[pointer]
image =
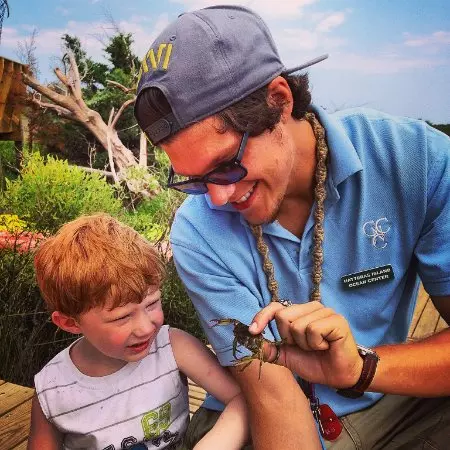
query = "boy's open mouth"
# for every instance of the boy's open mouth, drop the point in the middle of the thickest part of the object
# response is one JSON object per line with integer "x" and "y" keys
{"x": 140, "y": 347}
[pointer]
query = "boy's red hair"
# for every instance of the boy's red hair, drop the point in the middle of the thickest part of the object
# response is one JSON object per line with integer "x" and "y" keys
{"x": 92, "y": 260}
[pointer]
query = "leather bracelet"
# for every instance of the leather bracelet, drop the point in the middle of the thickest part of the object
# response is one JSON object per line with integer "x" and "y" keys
{"x": 370, "y": 362}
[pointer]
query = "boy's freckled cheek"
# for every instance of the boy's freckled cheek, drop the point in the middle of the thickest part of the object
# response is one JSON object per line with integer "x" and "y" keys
{"x": 118, "y": 338}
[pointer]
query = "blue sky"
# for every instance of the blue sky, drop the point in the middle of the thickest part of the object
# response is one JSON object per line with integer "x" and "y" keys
{"x": 392, "y": 55}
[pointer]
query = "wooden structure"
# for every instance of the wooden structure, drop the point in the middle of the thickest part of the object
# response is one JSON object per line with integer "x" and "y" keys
{"x": 15, "y": 409}
{"x": 12, "y": 91}
{"x": 15, "y": 401}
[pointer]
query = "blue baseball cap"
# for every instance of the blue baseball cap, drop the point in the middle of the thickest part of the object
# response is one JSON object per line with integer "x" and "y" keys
{"x": 207, "y": 60}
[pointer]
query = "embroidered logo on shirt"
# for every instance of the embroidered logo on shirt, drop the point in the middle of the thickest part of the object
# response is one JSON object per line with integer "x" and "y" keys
{"x": 376, "y": 231}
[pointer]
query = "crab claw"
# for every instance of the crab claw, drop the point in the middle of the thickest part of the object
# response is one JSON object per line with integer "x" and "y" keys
{"x": 216, "y": 322}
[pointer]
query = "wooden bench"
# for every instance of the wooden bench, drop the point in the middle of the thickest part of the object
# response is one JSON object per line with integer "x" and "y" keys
{"x": 15, "y": 410}
{"x": 15, "y": 401}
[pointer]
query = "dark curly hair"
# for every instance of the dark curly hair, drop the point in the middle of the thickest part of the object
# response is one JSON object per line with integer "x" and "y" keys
{"x": 252, "y": 114}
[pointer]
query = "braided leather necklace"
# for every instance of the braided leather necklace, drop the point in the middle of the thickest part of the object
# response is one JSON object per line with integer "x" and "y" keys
{"x": 329, "y": 424}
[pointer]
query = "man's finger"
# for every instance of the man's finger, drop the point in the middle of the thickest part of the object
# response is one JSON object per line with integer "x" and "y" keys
{"x": 297, "y": 314}
{"x": 263, "y": 317}
{"x": 292, "y": 358}
{"x": 281, "y": 313}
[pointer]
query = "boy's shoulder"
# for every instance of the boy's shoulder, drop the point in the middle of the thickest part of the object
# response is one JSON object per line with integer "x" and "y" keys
{"x": 56, "y": 368}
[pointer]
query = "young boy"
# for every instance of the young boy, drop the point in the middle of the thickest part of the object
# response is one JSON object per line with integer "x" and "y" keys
{"x": 122, "y": 384}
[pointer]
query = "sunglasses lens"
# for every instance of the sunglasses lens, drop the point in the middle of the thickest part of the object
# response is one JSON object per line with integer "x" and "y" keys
{"x": 227, "y": 175}
{"x": 192, "y": 188}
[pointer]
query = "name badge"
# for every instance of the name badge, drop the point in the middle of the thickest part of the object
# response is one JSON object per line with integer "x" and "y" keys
{"x": 368, "y": 277}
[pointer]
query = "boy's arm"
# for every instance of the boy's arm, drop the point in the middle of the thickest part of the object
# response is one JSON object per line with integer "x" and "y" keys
{"x": 200, "y": 365}
{"x": 42, "y": 433}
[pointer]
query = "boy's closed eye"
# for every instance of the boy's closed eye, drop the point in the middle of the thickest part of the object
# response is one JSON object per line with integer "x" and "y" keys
{"x": 152, "y": 304}
{"x": 117, "y": 319}
{"x": 149, "y": 306}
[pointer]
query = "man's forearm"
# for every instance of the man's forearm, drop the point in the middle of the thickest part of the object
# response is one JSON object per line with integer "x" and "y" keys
{"x": 419, "y": 369}
{"x": 280, "y": 416}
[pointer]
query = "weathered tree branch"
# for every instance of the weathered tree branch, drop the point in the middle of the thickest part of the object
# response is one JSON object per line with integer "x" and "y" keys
{"x": 62, "y": 77}
{"x": 99, "y": 171}
{"x": 121, "y": 110}
{"x": 62, "y": 100}
{"x": 61, "y": 111}
{"x": 72, "y": 106}
{"x": 75, "y": 78}
{"x": 143, "y": 150}
{"x": 120, "y": 86}
{"x": 110, "y": 154}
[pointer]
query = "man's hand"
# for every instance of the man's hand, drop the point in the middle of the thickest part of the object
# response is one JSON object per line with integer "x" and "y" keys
{"x": 319, "y": 345}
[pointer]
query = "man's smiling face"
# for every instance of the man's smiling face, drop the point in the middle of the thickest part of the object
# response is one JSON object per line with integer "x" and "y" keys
{"x": 268, "y": 159}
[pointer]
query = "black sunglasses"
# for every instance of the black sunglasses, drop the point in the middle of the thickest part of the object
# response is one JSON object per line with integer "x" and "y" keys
{"x": 228, "y": 172}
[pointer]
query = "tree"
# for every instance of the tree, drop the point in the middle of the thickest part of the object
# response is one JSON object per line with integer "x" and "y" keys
{"x": 445, "y": 128}
{"x": 72, "y": 106}
{"x": 120, "y": 54}
{"x": 75, "y": 141}
{"x": 4, "y": 9}
{"x": 92, "y": 74}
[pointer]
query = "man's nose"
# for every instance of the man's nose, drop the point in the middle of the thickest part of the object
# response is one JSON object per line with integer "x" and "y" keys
{"x": 220, "y": 194}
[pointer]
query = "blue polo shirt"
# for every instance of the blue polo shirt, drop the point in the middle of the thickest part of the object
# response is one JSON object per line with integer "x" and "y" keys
{"x": 388, "y": 205}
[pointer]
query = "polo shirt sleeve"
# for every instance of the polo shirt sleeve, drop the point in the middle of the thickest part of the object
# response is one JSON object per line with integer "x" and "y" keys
{"x": 214, "y": 289}
{"x": 433, "y": 247}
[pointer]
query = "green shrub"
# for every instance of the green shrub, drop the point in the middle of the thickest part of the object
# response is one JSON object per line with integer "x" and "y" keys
{"x": 152, "y": 218}
{"x": 28, "y": 338}
{"x": 178, "y": 309}
{"x": 7, "y": 152}
{"x": 12, "y": 223}
{"x": 50, "y": 193}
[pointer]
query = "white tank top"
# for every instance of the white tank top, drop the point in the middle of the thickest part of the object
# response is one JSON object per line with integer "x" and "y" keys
{"x": 144, "y": 405}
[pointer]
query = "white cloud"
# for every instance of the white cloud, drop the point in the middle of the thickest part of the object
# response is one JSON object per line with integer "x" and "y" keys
{"x": 286, "y": 9}
{"x": 144, "y": 31}
{"x": 388, "y": 63}
{"x": 437, "y": 38}
{"x": 49, "y": 44}
{"x": 331, "y": 21}
{"x": 291, "y": 39}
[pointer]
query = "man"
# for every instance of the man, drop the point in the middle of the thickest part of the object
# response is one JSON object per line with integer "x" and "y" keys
{"x": 346, "y": 210}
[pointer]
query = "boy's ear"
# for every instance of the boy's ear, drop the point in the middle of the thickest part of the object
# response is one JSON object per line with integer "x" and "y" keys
{"x": 66, "y": 323}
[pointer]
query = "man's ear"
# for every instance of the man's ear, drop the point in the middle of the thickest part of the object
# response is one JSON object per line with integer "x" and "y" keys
{"x": 279, "y": 94}
{"x": 66, "y": 323}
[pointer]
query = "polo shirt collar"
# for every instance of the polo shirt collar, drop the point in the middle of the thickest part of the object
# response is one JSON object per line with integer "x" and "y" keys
{"x": 343, "y": 160}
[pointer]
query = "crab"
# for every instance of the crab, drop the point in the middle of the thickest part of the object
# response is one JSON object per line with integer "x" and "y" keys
{"x": 253, "y": 342}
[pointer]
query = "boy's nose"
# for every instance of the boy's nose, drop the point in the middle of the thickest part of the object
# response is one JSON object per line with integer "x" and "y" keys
{"x": 144, "y": 326}
{"x": 220, "y": 194}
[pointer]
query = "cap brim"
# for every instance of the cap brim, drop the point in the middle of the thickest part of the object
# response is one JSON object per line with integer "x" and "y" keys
{"x": 306, "y": 64}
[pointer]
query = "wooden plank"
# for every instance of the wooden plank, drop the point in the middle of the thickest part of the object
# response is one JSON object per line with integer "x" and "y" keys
{"x": 428, "y": 321}
{"x": 17, "y": 93}
{"x": 12, "y": 395}
{"x": 422, "y": 299}
{"x": 441, "y": 325}
{"x": 15, "y": 426}
{"x": 22, "y": 446}
{"x": 5, "y": 84}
